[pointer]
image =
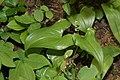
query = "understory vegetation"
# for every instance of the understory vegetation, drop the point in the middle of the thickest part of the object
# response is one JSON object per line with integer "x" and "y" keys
{"x": 58, "y": 39}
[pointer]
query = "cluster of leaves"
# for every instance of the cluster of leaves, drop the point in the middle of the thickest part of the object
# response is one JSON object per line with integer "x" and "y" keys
{"x": 46, "y": 49}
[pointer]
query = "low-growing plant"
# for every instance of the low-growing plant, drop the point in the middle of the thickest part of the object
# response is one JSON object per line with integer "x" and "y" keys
{"x": 48, "y": 53}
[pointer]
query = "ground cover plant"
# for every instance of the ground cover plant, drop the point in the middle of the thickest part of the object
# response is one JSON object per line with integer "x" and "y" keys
{"x": 59, "y": 39}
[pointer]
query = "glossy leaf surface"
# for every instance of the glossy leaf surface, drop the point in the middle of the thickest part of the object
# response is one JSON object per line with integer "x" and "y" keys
{"x": 84, "y": 19}
{"x": 38, "y": 15}
{"x": 67, "y": 8}
{"x": 13, "y": 25}
{"x": 90, "y": 44}
{"x": 22, "y": 72}
{"x": 49, "y": 14}
{"x": 113, "y": 17}
{"x": 50, "y": 37}
{"x": 36, "y": 61}
{"x": 86, "y": 73}
{"x": 25, "y": 19}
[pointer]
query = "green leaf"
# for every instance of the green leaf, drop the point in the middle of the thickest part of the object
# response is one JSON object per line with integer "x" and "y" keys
{"x": 15, "y": 36}
{"x": 36, "y": 61}
{"x": 86, "y": 73}
{"x": 7, "y": 49}
{"x": 21, "y": 9}
{"x": 6, "y": 60}
{"x": 86, "y": 43}
{"x": 10, "y": 11}
{"x": 67, "y": 8}
{"x": 3, "y": 17}
{"x": 33, "y": 27}
{"x": 50, "y": 37}
{"x": 43, "y": 78}
{"x": 84, "y": 19}
{"x": 45, "y": 8}
{"x": 5, "y": 35}
{"x": 68, "y": 53}
{"x": 25, "y": 19}
{"x": 116, "y": 3}
{"x": 1, "y": 76}
{"x": 9, "y": 45}
{"x": 11, "y": 3}
{"x": 38, "y": 15}
{"x": 60, "y": 78}
{"x": 113, "y": 51}
{"x": 21, "y": 54}
{"x": 113, "y": 17}
{"x": 15, "y": 26}
{"x": 23, "y": 36}
{"x": 49, "y": 14}
{"x": 99, "y": 14}
{"x": 22, "y": 72}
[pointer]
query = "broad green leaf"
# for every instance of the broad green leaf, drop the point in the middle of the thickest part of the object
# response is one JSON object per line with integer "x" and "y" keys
{"x": 6, "y": 60}
{"x": 43, "y": 78}
{"x": 63, "y": 66}
{"x": 51, "y": 73}
{"x": 9, "y": 45}
{"x": 5, "y": 35}
{"x": 99, "y": 14}
{"x": 84, "y": 19}
{"x": 113, "y": 51}
{"x": 116, "y": 3}
{"x": 25, "y": 18}
{"x": 67, "y": 8}
{"x": 113, "y": 17}
{"x": 56, "y": 60}
{"x": 41, "y": 72}
{"x": 109, "y": 53}
{"x": 3, "y": 17}
{"x": 23, "y": 36}
{"x": 21, "y": 9}
{"x": 11, "y": 3}
{"x": 86, "y": 43}
{"x": 86, "y": 73}
{"x": 21, "y": 54}
{"x": 49, "y": 14}
{"x": 22, "y": 72}
{"x": 45, "y": 8}
{"x": 33, "y": 27}
{"x": 10, "y": 11}
{"x": 48, "y": 73}
{"x": 68, "y": 53}
{"x": 15, "y": 36}
{"x": 60, "y": 78}
{"x": 15, "y": 26}
{"x": 50, "y": 37}
{"x": 38, "y": 15}
{"x": 7, "y": 49}
{"x": 1, "y": 76}
{"x": 36, "y": 61}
